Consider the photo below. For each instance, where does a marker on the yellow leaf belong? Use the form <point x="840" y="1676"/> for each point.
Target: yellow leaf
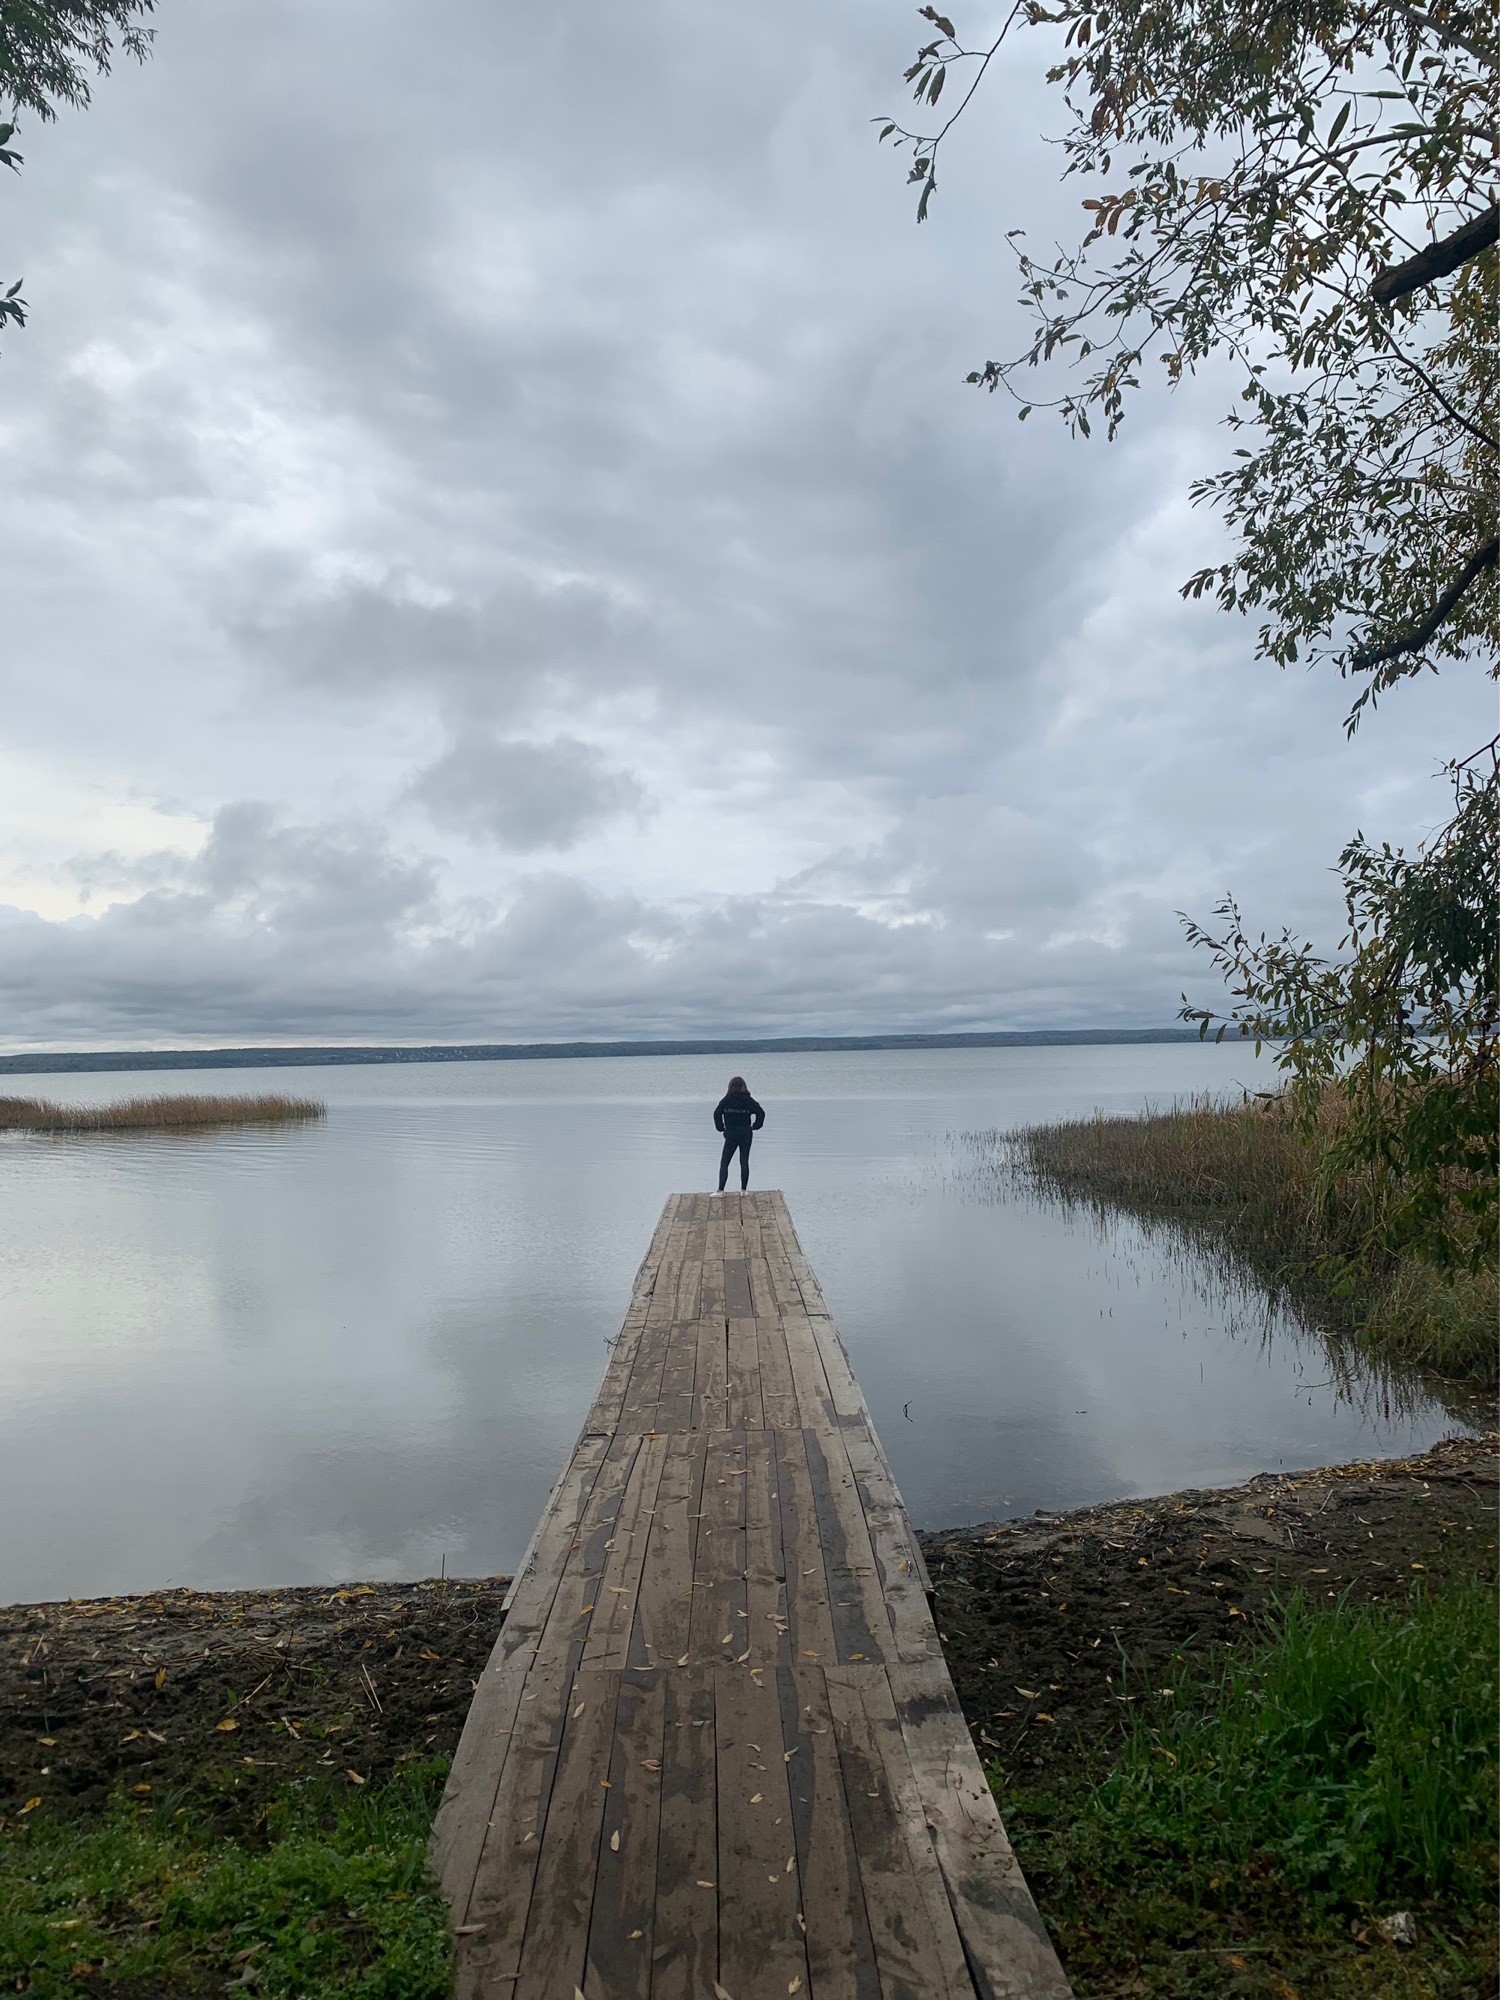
<point x="227" y="1724"/>
<point x="161" y="1677"/>
<point x="30" y="1806"/>
<point x="614" y="1841"/>
<point x="50" y="1741"/>
<point x="794" y="1985"/>
<point x="757" y="1798"/>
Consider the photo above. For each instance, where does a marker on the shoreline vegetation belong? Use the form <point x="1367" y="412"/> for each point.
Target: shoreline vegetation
<point x="156" y="1114"/>
<point x="1242" y="1178"/>
<point x="1234" y="1735"/>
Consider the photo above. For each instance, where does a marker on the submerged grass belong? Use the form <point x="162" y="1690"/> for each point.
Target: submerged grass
<point x="153" y="1114"/>
<point x="1246" y="1175"/>
<point x="1264" y="1815"/>
<point x="330" y="1900"/>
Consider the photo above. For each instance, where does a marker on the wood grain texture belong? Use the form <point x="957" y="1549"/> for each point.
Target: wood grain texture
<point x="716" y="1745"/>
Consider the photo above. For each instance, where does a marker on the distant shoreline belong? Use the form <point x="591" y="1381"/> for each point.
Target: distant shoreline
<point x="55" y="1064"/>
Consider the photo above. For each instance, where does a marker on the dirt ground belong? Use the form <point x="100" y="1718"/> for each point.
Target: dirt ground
<point x="222" y="1695"/>
<point x="1052" y="1625"/>
<point x="1049" y="1625"/>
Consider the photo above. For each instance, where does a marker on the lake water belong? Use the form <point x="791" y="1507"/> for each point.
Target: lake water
<point x="364" y="1348"/>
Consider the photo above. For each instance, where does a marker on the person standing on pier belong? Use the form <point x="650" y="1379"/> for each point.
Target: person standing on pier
<point x="737" y="1116"/>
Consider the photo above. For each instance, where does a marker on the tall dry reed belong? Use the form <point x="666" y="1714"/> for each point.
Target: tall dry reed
<point x="154" y="1114"/>
<point x="1246" y="1175"/>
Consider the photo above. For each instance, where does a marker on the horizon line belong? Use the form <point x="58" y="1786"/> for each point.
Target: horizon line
<point x="332" y="1054"/>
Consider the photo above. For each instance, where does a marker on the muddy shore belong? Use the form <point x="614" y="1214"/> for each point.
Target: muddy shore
<point x="1049" y="1626"/>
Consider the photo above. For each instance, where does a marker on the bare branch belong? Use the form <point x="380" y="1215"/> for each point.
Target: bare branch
<point x="1438" y="259"/>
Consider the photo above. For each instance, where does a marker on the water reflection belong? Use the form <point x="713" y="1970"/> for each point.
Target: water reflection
<point x="365" y="1347"/>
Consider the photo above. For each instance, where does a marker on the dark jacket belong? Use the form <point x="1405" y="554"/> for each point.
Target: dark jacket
<point x="733" y="1115"/>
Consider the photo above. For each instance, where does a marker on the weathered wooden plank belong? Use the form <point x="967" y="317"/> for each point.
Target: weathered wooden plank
<point x="766" y="1625"/>
<point x="677" y="1405"/>
<point x="463" y="1818"/>
<point x="719" y="1611"/>
<point x="664" y="1601"/>
<point x="1003" y="1934"/>
<point x="534" y="1585"/>
<point x="899" y="1572"/>
<point x="712" y="1378"/>
<point x="861" y="1624"/>
<point x="840" y="1950"/>
<point x="746" y="1411"/>
<point x="623" y="1921"/>
<point x="815" y="1404"/>
<point x="617" y="1587"/>
<point x="778" y="1388"/>
<point x="494" y="1919"/>
<point x="761" y="1947"/>
<point x="772" y="1245"/>
<point x="685" y="1945"/>
<point x="810" y="1633"/>
<point x="738" y="1302"/>
<point x="555" y="1949"/>
<point x="604" y="1413"/>
<point x="917" y="1945"/>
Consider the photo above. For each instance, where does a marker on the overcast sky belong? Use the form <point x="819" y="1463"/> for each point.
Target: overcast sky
<point x="495" y="544"/>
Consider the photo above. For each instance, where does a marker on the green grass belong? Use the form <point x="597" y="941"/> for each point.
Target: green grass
<point x="1245" y="1177"/>
<point x="330" y="1897"/>
<point x="1258" y="1818"/>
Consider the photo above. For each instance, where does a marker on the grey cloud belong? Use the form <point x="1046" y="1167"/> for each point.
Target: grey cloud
<point x="603" y="393"/>
<point x="287" y="932"/>
<point x="488" y="656"/>
<point x="525" y="795"/>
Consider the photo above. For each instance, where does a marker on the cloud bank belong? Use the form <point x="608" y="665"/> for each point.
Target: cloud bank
<point x="498" y="546"/>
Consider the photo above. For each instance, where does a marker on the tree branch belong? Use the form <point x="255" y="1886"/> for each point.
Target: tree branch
<point x="1438" y="259"/>
<point x="1440" y="29"/>
<point x="1417" y="637"/>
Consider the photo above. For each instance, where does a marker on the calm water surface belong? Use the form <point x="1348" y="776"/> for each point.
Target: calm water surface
<point x="364" y="1349"/>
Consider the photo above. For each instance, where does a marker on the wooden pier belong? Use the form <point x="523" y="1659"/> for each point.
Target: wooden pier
<point x="716" y="1754"/>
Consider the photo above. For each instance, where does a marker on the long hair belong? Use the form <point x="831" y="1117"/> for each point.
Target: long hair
<point x="737" y="1083"/>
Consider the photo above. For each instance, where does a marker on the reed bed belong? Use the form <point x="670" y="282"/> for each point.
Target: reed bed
<point x="155" y="1114"/>
<point x="1245" y="1177"/>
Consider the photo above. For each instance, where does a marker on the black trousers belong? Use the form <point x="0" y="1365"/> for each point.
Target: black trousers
<point x="735" y="1142"/>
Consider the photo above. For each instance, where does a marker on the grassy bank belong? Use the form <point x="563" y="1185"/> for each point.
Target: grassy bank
<point x="1315" y="1816"/>
<point x="1244" y="1177"/>
<point x="326" y="1894"/>
<point x="154" y="1114"/>
<point x="231" y="1792"/>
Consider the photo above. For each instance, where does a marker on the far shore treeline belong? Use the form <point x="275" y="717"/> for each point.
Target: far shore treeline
<point x="53" y="1063"/>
